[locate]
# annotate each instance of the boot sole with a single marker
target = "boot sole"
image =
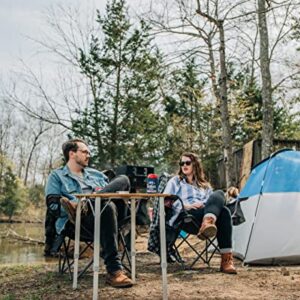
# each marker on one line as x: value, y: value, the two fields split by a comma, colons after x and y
x: 229, y: 272
x: 209, y: 232
x: 120, y: 286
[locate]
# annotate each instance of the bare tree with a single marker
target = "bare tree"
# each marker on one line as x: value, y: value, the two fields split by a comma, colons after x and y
x: 56, y: 99
x: 267, y: 52
x: 36, y: 141
x: 221, y: 95
x: 203, y: 22
x: 268, y: 110
x: 5, y: 128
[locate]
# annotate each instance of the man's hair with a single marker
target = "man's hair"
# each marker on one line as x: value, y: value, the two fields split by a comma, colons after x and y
x: 71, y: 145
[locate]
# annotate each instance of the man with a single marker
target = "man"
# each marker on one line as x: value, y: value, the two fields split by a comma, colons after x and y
x: 77, y: 177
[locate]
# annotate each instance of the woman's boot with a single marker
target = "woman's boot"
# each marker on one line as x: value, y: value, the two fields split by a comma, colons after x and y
x: 227, y: 263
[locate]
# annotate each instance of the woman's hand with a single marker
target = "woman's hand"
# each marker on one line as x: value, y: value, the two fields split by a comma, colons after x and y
x: 196, y: 205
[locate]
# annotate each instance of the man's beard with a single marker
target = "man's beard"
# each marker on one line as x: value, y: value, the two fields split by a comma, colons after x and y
x: 82, y: 163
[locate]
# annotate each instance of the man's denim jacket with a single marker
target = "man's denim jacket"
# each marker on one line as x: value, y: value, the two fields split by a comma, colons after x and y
x: 62, y: 182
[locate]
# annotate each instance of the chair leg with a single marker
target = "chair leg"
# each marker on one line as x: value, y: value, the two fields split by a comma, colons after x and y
x: 67, y: 259
x: 64, y: 259
x: 198, y: 255
x: 125, y: 253
x: 85, y: 268
x: 207, y: 256
x: 204, y: 255
x: 210, y: 242
x: 181, y: 261
x: 65, y: 263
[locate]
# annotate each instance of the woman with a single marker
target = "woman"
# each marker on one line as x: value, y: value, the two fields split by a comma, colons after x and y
x: 207, y: 207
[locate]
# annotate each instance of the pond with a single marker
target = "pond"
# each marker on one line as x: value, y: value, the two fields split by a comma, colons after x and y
x: 19, y: 252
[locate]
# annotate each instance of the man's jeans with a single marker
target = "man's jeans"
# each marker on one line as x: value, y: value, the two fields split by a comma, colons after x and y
x: 113, y: 212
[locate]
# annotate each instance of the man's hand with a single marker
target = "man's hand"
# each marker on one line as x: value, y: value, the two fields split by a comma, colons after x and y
x: 196, y: 205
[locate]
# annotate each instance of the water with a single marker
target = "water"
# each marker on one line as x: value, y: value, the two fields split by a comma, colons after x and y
x: 19, y: 252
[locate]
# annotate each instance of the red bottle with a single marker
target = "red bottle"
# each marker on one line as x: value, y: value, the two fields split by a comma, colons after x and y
x: 152, y: 183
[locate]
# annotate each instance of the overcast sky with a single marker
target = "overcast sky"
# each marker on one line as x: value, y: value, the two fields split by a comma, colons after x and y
x: 21, y: 19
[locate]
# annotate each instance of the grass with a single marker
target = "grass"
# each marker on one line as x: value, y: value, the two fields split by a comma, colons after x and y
x: 29, y: 282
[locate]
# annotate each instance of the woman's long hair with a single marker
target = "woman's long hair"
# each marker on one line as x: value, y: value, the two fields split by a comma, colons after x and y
x: 198, y: 172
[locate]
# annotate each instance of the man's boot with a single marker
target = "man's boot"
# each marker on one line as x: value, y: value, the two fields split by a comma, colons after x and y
x: 208, y: 228
x: 227, y: 263
x: 118, y: 279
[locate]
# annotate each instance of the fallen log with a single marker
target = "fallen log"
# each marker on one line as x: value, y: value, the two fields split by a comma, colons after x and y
x: 11, y: 234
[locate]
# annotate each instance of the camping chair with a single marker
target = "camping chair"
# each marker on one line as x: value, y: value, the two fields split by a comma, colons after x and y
x: 175, y: 233
x: 172, y: 234
x: 211, y: 246
x: 124, y: 242
x: 65, y: 250
x: 66, y: 259
x: 61, y: 243
x: 182, y: 238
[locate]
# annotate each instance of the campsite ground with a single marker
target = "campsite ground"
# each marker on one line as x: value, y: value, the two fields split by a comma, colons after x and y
x: 43, y: 282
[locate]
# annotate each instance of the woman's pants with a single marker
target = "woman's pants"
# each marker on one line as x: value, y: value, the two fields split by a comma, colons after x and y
x: 214, y: 205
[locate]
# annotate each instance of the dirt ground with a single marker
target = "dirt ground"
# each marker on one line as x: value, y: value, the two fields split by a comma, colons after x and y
x: 43, y: 281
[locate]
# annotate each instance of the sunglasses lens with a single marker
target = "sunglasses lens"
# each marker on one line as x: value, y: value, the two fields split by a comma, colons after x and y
x: 182, y: 163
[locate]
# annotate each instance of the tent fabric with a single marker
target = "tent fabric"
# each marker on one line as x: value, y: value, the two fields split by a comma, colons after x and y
x: 279, y: 173
x: 272, y: 211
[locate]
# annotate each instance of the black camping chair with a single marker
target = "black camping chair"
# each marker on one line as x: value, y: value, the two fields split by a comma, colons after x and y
x: 181, y: 238
x: 66, y: 259
x: 124, y: 242
x: 62, y: 244
x: 66, y: 256
x: 176, y: 242
x: 174, y: 245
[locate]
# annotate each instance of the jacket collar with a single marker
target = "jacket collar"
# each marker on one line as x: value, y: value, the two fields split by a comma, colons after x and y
x: 66, y: 171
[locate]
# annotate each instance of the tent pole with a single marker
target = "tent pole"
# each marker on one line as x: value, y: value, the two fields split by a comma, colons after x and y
x: 258, y: 201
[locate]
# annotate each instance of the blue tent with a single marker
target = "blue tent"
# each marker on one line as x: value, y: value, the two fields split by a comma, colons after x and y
x: 272, y: 211
x: 276, y: 174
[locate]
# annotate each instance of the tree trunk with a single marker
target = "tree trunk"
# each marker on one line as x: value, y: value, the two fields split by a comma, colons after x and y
x: 220, y: 92
x: 114, y: 138
x: 21, y: 162
x: 34, y: 145
x: 97, y: 116
x: 268, y: 114
x: 28, y: 163
x: 226, y: 128
x: 35, y: 168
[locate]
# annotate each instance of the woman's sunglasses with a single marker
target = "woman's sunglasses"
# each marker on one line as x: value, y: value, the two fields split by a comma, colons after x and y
x: 182, y: 163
